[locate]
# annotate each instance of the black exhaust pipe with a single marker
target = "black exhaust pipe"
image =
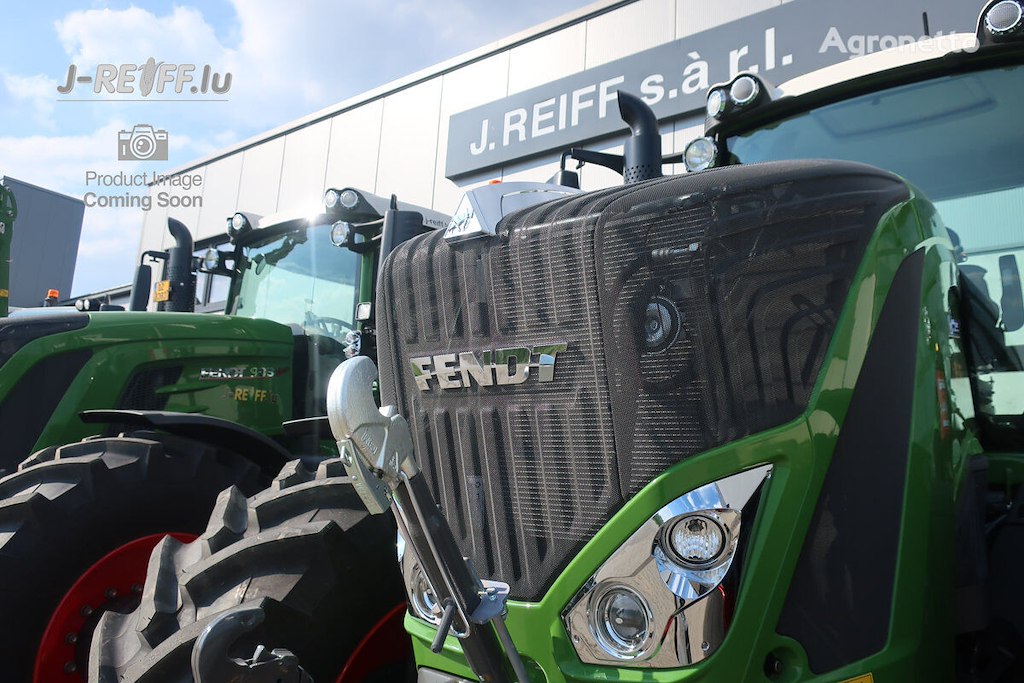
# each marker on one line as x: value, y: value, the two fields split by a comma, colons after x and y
x: 179, y: 269
x: 642, y: 152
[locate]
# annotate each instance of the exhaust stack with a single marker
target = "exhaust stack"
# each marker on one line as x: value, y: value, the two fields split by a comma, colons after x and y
x: 642, y: 152
x: 179, y: 269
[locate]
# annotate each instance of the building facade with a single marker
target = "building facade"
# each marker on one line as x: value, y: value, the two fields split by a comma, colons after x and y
x: 507, y: 110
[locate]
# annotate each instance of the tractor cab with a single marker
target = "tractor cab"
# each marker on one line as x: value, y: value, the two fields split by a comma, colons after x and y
x: 943, y: 114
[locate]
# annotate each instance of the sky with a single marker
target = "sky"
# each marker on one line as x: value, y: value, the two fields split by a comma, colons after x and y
x: 286, y: 60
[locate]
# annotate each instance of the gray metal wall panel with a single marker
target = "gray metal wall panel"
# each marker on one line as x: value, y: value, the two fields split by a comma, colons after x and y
x: 694, y: 16
x: 220, y: 195
x: 629, y: 30
x: 408, y: 143
x: 45, y: 246
x: 470, y: 86
x: 261, y: 177
x: 547, y: 58
x: 355, y: 143
x: 305, y: 163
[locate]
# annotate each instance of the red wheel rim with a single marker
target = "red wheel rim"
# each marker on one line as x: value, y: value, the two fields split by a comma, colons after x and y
x: 119, y: 572
x: 387, y: 642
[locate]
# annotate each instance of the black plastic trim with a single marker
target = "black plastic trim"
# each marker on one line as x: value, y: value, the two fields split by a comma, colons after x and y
x: 28, y: 406
x: 840, y: 598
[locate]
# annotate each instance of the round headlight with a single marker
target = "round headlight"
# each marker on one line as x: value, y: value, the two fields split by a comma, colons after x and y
x: 1004, y: 17
x: 423, y: 600
x: 744, y: 90
x: 700, y: 154
x: 621, y: 621
x: 340, y: 232
x: 330, y: 198
x: 238, y: 222
x: 349, y: 199
x: 717, y: 100
x: 211, y: 259
x: 696, y: 540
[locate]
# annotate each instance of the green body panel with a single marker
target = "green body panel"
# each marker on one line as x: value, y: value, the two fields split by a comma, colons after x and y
x: 922, y: 628
x: 123, y: 343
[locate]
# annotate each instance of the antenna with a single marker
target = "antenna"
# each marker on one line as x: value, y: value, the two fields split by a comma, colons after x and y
x: 924, y: 20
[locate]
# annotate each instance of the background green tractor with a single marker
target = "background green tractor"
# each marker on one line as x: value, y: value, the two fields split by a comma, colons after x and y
x: 175, y: 407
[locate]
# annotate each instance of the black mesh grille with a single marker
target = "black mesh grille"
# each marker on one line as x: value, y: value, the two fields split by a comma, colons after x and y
x: 141, y: 391
x: 745, y: 268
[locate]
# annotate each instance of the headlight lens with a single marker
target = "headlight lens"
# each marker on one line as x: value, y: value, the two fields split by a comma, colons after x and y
x: 211, y: 259
x: 621, y: 621
x: 700, y: 154
x: 340, y: 232
x: 744, y: 90
x: 696, y: 540
x: 717, y: 101
x: 660, y: 599
x: 1004, y: 17
x: 348, y: 199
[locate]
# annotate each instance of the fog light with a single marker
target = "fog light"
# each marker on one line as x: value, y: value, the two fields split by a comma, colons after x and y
x: 238, y: 222
x: 744, y: 90
x: 1004, y: 17
x: 697, y: 540
x: 621, y: 620
x: 717, y: 101
x: 331, y: 199
x: 700, y: 154
x: 211, y: 259
x: 340, y: 232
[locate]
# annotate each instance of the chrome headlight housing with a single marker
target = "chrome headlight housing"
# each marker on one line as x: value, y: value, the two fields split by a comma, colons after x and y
x: 659, y: 600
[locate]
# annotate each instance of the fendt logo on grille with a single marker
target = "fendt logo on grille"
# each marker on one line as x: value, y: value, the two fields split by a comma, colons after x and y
x: 500, y: 367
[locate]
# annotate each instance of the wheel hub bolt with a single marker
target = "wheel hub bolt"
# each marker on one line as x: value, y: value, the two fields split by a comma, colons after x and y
x: 71, y: 638
x: 86, y: 611
x: 111, y: 593
x: 70, y: 668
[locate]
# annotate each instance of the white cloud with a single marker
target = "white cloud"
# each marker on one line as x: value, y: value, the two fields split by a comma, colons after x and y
x: 98, y: 36
x: 35, y: 91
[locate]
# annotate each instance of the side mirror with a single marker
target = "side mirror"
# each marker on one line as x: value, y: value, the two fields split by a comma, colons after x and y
x: 140, y: 288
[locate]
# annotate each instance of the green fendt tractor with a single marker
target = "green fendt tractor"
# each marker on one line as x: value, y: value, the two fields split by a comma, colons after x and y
x: 760, y: 422
x: 175, y: 408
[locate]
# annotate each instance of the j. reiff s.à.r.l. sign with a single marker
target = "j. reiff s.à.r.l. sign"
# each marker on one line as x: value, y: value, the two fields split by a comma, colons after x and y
x: 780, y: 43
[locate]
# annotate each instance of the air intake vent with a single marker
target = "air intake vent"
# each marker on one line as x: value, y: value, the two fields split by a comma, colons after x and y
x: 141, y: 391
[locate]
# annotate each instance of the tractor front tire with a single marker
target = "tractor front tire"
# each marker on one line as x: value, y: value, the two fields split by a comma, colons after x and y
x: 71, y: 519
x: 306, y: 551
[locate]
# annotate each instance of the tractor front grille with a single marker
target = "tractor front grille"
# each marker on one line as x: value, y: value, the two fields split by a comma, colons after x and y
x: 695, y: 310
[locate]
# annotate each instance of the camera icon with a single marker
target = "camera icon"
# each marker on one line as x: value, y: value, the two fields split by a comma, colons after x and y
x: 142, y: 143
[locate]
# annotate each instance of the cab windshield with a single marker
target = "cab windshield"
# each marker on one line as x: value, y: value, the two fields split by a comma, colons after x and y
x: 300, y: 278
x: 959, y: 140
